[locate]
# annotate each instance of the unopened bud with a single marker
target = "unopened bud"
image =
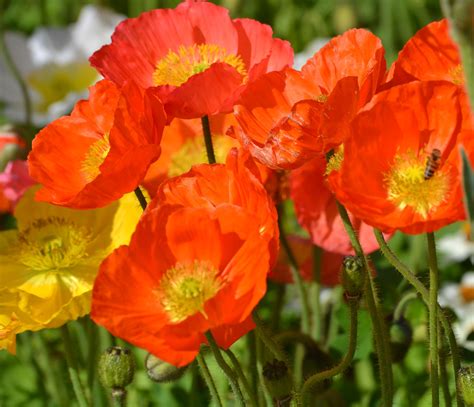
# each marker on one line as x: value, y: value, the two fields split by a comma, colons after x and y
x: 466, y: 379
x: 162, y: 372
x: 353, y: 276
x: 401, y: 335
x: 116, y: 368
x: 277, y: 380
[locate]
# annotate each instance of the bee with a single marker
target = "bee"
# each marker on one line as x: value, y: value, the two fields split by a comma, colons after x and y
x: 432, y: 163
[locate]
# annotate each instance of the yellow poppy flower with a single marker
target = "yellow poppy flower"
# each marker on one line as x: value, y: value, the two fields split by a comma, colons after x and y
x: 51, y: 261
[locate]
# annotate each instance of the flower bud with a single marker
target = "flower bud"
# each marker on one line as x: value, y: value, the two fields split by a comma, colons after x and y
x: 466, y: 379
x: 401, y: 335
x: 353, y: 276
x: 116, y: 367
x: 276, y: 377
x: 162, y: 372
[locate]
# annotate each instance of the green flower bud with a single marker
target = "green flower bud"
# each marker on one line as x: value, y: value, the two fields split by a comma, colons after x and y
x: 401, y: 335
x: 466, y: 378
x: 353, y: 276
x: 162, y: 372
x: 277, y: 379
x: 116, y: 367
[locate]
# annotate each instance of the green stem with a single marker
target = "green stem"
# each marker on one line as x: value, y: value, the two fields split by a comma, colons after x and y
x: 211, y: 385
x: 278, y: 306
x: 93, y: 347
x: 14, y: 71
x: 252, y: 362
x: 240, y: 374
x: 141, y: 198
x: 315, y: 289
x: 400, y: 308
x: 294, y: 269
x: 73, y: 368
x: 433, y: 319
x: 267, y: 339
x: 346, y: 361
x: 206, y: 129
x: 380, y: 333
x: 443, y: 372
x: 423, y: 291
x: 119, y: 397
x: 234, y: 383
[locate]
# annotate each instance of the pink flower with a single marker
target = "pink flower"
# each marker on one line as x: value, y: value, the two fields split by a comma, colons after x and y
x: 15, y: 180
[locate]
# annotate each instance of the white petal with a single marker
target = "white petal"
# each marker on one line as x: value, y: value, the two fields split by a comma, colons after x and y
x: 94, y: 28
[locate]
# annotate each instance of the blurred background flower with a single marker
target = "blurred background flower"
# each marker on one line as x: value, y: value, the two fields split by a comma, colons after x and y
x: 53, y: 63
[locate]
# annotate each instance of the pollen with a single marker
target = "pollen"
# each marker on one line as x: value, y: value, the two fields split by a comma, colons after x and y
x: 51, y: 243
x: 457, y: 75
x: 335, y: 161
x: 94, y: 158
x: 407, y: 187
x: 177, y: 67
x: 193, y: 151
x: 186, y: 287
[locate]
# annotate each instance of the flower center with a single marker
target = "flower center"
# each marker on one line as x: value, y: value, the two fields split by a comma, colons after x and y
x: 193, y: 151
x: 94, y: 158
x: 51, y: 243
x: 186, y: 287
x: 457, y: 75
x: 335, y: 161
x: 467, y: 292
x: 406, y: 184
x: 177, y: 67
x: 54, y: 82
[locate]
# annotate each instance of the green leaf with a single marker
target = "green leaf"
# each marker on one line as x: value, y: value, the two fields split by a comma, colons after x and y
x: 468, y: 186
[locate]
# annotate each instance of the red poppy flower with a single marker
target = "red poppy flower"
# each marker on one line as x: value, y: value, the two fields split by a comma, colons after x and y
x: 286, y: 118
x: 431, y: 54
x: 198, y: 57
x: 401, y: 167
x: 303, y: 250
x: 101, y: 151
x: 317, y: 212
x: 198, y: 261
x: 182, y: 146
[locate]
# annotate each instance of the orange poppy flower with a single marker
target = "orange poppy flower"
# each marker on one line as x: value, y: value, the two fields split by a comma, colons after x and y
x: 303, y: 250
x: 198, y: 261
x: 401, y: 167
x: 197, y: 56
x: 431, y: 54
x: 182, y: 146
x: 101, y: 151
x: 286, y: 118
x: 317, y: 211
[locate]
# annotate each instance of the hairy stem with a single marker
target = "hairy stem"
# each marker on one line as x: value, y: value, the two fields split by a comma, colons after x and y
x: 206, y: 375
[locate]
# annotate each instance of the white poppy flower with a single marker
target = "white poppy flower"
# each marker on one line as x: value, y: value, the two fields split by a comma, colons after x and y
x: 460, y: 298
x: 54, y: 65
x: 456, y: 247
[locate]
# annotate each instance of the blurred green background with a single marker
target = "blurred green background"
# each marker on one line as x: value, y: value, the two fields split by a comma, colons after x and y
x: 298, y: 21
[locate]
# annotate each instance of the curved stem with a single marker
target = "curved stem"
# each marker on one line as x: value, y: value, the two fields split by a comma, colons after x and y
x: 400, y: 308
x: 206, y: 129
x: 141, y: 198
x: 433, y: 319
x: 294, y: 269
x: 423, y: 291
x: 238, y: 369
x: 14, y: 71
x: 267, y: 340
x: 234, y: 383
x: 346, y: 361
x: 382, y: 345
x: 211, y: 385
x: 278, y: 306
x: 73, y: 368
